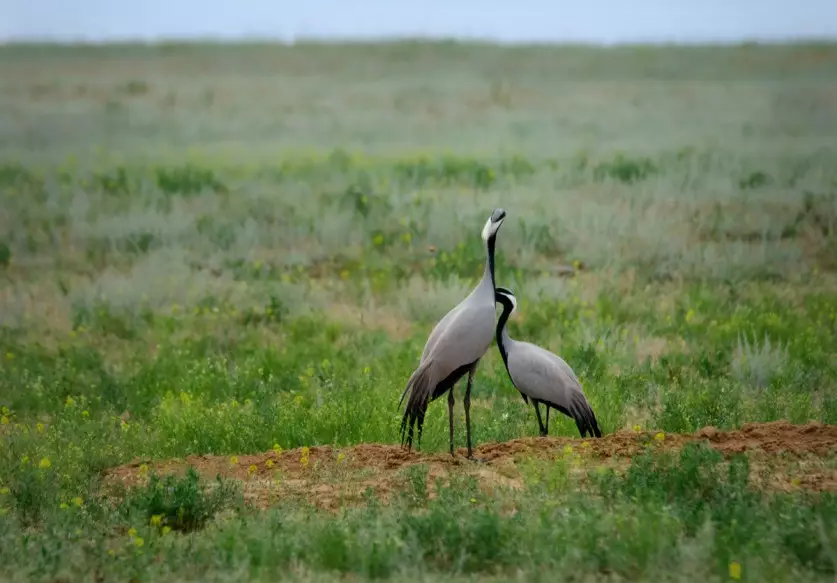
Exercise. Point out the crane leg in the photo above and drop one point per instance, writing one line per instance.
(540, 422)
(467, 403)
(450, 417)
(547, 419)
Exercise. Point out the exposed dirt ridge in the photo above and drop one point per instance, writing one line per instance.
(799, 456)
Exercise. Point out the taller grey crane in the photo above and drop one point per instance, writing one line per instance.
(455, 346)
(542, 376)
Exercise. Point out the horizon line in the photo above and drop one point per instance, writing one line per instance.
(384, 39)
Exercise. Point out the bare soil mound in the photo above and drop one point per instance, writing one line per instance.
(786, 457)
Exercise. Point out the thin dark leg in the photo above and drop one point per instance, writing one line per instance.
(420, 428)
(540, 422)
(547, 419)
(450, 417)
(467, 403)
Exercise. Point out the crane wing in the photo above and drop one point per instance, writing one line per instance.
(464, 339)
(544, 376)
(438, 331)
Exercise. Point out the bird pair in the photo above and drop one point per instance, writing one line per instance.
(462, 337)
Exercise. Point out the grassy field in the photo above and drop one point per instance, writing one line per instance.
(230, 257)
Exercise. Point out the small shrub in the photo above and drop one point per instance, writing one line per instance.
(5, 254)
(188, 180)
(757, 365)
(417, 479)
(625, 169)
(113, 182)
(755, 179)
(135, 87)
(181, 503)
(17, 176)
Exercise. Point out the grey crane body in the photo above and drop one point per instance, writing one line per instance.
(541, 376)
(455, 346)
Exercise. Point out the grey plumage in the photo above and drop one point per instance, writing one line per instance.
(542, 376)
(455, 346)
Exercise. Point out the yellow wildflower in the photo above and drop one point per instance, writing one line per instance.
(132, 532)
(45, 464)
(78, 501)
(4, 420)
(138, 541)
(735, 570)
(660, 436)
(70, 402)
(340, 457)
(277, 449)
(156, 519)
(39, 427)
(251, 470)
(64, 506)
(234, 460)
(166, 529)
(268, 464)
(637, 428)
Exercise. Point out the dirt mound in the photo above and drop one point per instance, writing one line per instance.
(330, 477)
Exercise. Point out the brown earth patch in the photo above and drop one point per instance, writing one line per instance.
(785, 457)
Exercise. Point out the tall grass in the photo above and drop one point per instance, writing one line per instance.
(222, 249)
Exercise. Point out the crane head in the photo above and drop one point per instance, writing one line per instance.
(506, 298)
(492, 225)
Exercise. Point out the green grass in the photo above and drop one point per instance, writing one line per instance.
(209, 250)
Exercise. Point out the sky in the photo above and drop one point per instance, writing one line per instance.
(593, 21)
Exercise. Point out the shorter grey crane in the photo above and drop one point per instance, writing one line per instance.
(542, 376)
(455, 346)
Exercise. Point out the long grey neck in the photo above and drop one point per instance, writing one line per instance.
(503, 340)
(488, 275)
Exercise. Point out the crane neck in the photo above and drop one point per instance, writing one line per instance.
(489, 261)
(503, 339)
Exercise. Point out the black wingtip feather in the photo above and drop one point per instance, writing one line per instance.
(419, 388)
(584, 417)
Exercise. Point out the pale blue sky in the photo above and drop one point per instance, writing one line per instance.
(600, 21)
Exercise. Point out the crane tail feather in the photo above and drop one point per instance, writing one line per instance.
(419, 388)
(586, 418)
(579, 410)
